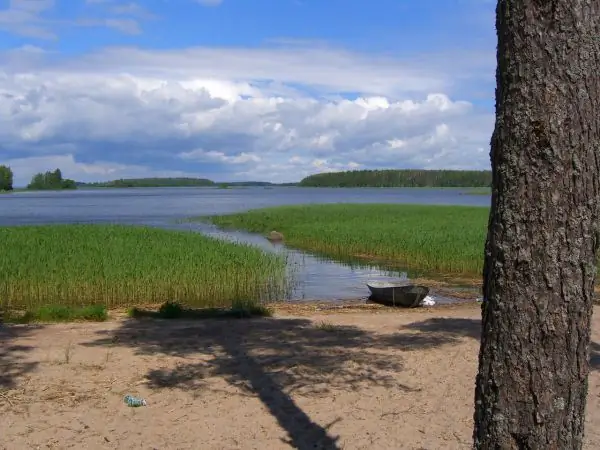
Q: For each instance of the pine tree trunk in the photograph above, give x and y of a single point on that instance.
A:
(540, 256)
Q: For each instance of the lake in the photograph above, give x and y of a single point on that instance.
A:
(315, 277)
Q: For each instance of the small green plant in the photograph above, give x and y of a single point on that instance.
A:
(326, 326)
(108, 353)
(54, 313)
(93, 313)
(68, 353)
(60, 313)
(133, 312)
(174, 310)
(250, 308)
(171, 310)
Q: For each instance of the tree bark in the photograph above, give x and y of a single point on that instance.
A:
(540, 255)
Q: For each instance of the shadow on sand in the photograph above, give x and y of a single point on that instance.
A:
(472, 328)
(450, 328)
(12, 356)
(595, 356)
(272, 358)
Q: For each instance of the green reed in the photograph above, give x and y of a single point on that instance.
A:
(443, 239)
(116, 265)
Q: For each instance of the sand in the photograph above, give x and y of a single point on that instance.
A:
(352, 379)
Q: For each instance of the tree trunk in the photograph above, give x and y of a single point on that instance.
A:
(540, 256)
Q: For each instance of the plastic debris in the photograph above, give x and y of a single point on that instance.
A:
(428, 301)
(134, 402)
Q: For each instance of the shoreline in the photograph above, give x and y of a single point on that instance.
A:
(292, 309)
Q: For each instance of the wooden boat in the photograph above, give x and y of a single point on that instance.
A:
(397, 294)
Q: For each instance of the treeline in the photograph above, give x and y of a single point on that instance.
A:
(171, 182)
(354, 178)
(400, 178)
(54, 180)
(150, 182)
(51, 180)
(40, 181)
(6, 179)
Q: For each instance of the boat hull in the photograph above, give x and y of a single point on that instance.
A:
(398, 295)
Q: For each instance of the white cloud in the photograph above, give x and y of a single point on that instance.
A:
(274, 114)
(127, 26)
(213, 156)
(32, 18)
(25, 17)
(319, 67)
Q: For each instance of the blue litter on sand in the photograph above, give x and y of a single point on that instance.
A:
(132, 401)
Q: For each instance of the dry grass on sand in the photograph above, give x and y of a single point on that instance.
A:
(354, 380)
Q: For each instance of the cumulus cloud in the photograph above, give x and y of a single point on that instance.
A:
(275, 114)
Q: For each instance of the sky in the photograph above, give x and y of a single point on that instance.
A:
(232, 90)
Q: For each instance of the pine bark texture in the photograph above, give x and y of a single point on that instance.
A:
(540, 255)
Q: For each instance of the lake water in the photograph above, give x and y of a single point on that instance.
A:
(315, 277)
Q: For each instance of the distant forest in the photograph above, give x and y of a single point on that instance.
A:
(50, 180)
(168, 182)
(354, 178)
(150, 182)
(400, 178)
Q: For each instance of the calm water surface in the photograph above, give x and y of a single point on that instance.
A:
(315, 277)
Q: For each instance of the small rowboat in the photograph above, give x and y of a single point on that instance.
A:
(397, 294)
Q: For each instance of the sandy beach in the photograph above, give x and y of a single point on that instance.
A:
(352, 379)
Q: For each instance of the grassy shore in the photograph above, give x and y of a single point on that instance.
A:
(442, 239)
(111, 265)
(478, 191)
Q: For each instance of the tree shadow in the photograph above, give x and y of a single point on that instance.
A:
(272, 358)
(594, 356)
(12, 364)
(452, 328)
(458, 327)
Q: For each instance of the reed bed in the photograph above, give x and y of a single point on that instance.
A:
(115, 265)
(443, 239)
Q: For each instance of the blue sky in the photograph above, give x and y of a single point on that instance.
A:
(234, 89)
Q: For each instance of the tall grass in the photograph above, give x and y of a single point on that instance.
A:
(443, 239)
(116, 265)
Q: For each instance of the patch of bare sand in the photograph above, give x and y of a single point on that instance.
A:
(376, 379)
